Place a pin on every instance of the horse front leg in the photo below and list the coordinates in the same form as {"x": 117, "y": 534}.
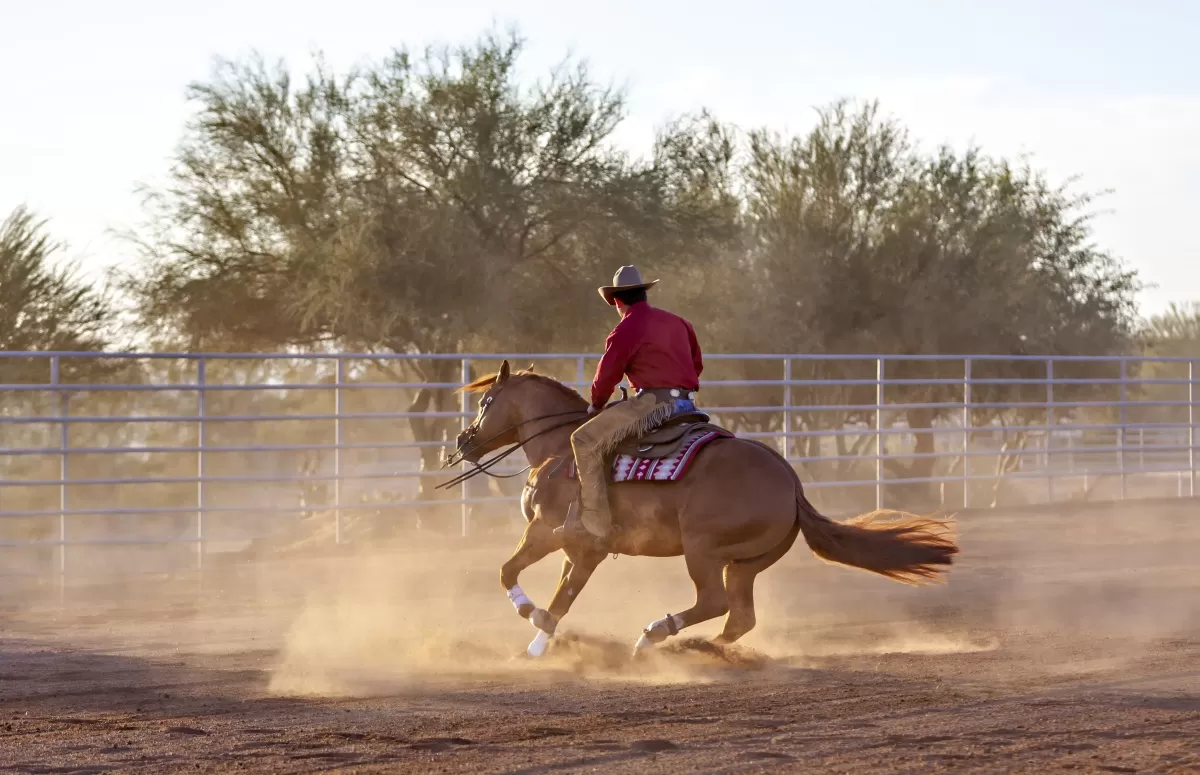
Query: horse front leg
{"x": 575, "y": 575}
{"x": 537, "y": 541}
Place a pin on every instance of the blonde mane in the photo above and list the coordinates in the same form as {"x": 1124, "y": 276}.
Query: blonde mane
{"x": 485, "y": 382}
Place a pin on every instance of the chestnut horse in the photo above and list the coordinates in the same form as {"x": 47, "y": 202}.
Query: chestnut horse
{"x": 735, "y": 513}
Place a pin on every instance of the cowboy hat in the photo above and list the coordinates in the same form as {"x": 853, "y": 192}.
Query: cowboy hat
{"x": 627, "y": 278}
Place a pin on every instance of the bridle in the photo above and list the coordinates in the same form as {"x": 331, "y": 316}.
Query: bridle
{"x": 469, "y": 444}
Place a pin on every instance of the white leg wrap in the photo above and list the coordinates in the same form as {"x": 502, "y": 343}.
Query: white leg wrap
{"x": 518, "y": 598}
{"x": 667, "y": 624}
{"x": 658, "y": 631}
{"x": 538, "y": 645}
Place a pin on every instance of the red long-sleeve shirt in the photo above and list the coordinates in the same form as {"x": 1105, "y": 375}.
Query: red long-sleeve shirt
{"x": 653, "y": 348}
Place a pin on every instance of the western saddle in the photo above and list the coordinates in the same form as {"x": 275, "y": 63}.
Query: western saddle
{"x": 664, "y": 440}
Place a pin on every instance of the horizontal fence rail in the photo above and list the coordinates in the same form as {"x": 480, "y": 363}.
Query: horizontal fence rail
{"x": 210, "y": 451}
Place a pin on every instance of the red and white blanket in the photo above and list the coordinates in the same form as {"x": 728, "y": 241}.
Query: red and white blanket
{"x": 629, "y": 468}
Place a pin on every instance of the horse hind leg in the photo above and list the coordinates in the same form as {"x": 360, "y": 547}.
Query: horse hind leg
{"x": 711, "y": 601}
{"x": 739, "y": 586}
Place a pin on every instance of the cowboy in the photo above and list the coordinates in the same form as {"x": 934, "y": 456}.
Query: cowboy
{"x": 659, "y": 354}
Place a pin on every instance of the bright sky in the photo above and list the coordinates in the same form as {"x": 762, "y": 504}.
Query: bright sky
{"x": 1109, "y": 90}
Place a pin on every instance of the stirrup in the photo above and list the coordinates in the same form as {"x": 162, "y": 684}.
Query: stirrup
{"x": 570, "y": 520}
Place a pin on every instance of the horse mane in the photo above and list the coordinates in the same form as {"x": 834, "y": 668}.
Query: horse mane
{"x": 485, "y": 382}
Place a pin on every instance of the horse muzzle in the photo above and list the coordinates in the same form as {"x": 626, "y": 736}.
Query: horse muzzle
{"x": 465, "y": 449}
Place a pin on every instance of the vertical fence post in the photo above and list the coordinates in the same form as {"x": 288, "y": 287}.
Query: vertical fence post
{"x": 64, "y": 470}
{"x": 1192, "y": 429}
{"x": 464, "y": 406}
{"x": 580, "y": 376}
{"x": 967, "y": 422}
{"x": 1050, "y": 422}
{"x": 338, "y": 439}
{"x": 1121, "y": 439}
{"x": 201, "y": 442}
{"x": 787, "y": 409}
{"x": 879, "y": 446}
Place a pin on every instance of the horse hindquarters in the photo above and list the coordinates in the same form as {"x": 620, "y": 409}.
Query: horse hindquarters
{"x": 741, "y": 503}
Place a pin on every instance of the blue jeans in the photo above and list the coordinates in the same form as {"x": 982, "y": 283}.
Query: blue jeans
{"x": 680, "y": 405}
{"x": 683, "y": 406}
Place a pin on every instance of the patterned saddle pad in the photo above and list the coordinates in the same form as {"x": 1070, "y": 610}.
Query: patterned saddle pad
{"x": 656, "y": 465}
{"x": 671, "y": 467}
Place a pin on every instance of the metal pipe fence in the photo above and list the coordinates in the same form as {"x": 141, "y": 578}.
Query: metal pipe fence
{"x": 205, "y": 451}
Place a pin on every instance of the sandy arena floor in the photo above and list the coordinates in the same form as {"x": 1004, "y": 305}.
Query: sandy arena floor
{"x": 1061, "y": 642}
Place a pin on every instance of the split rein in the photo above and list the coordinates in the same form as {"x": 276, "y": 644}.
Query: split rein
{"x": 486, "y": 466}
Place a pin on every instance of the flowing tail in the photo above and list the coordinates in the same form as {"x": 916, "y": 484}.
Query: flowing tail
{"x": 910, "y": 549}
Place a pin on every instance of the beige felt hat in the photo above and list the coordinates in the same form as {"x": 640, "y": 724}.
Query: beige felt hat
{"x": 627, "y": 278}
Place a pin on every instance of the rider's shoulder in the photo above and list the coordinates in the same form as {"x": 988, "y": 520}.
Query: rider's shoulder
{"x": 631, "y": 323}
{"x": 668, "y": 314}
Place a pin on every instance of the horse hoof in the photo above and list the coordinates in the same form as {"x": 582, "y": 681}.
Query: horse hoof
{"x": 539, "y": 644}
{"x": 643, "y": 643}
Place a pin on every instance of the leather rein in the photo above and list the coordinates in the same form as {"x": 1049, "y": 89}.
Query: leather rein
{"x": 486, "y": 466}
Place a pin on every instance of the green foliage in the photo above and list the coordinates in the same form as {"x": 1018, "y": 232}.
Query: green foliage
{"x": 886, "y": 249}
{"x": 437, "y": 203}
{"x": 44, "y": 302}
{"x": 416, "y": 205}
{"x": 1174, "y": 333}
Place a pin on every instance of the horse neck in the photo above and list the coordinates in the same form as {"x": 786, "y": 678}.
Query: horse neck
{"x": 538, "y": 446}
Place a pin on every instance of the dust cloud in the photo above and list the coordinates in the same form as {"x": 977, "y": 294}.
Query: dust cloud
{"x": 1063, "y": 593}
{"x": 402, "y": 619}
{"x": 1077, "y": 592}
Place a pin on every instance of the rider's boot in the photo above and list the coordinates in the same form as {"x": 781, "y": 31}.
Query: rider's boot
{"x": 586, "y": 530}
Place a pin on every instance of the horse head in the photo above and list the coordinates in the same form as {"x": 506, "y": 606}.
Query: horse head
{"x": 497, "y": 420}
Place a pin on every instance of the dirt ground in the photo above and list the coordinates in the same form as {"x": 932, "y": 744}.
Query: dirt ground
{"x": 1066, "y": 641}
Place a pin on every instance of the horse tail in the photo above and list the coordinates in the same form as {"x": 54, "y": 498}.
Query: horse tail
{"x": 910, "y": 548}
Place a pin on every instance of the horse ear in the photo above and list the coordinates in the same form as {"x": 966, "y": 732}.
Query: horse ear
{"x": 504, "y": 372}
